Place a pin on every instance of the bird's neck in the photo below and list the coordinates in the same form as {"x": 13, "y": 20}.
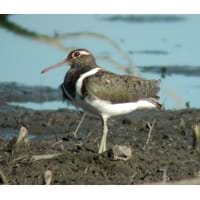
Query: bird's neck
{"x": 82, "y": 68}
{"x": 73, "y": 75}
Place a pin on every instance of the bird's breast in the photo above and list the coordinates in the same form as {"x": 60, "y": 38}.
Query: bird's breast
{"x": 72, "y": 87}
{"x": 69, "y": 83}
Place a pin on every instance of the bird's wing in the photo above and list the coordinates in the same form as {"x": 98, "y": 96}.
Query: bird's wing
{"x": 119, "y": 89}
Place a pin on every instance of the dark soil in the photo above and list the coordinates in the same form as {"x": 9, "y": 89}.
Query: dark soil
{"x": 169, "y": 156}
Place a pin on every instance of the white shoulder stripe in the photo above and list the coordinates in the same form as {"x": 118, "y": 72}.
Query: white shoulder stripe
{"x": 79, "y": 82}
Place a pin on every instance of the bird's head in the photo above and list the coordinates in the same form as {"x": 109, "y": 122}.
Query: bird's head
{"x": 76, "y": 58}
{"x": 80, "y": 57}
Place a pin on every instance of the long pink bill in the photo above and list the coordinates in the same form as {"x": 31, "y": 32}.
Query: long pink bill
{"x": 60, "y": 64}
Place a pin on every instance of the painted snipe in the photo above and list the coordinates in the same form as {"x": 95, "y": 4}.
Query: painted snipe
{"x": 104, "y": 93}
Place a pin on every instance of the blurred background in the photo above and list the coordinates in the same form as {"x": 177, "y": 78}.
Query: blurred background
{"x": 162, "y": 47}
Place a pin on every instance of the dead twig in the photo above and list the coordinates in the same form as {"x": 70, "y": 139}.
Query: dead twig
{"x": 79, "y": 124}
{"x": 165, "y": 177}
{"x": 88, "y": 135}
{"x": 132, "y": 178}
{"x": 86, "y": 170}
{"x": 150, "y": 132}
{"x": 58, "y": 142}
{"x": 196, "y": 136}
{"x": 74, "y": 133}
{"x": 3, "y": 178}
{"x": 22, "y": 134}
{"x": 45, "y": 156}
{"x": 48, "y": 177}
{"x": 20, "y": 158}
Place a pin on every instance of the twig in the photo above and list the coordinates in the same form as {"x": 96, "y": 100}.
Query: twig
{"x": 165, "y": 177}
{"x": 190, "y": 181}
{"x": 86, "y": 170}
{"x": 196, "y": 136}
{"x": 75, "y": 132}
{"x": 3, "y": 178}
{"x": 79, "y": 124}
{"x": 22, "y": 134}
{"x": 45, "y": 157}
{"x": 132, "y": 178}
{"x": 150, "y": 131}
{"x": 88, "y": 135}
{"x": 48, "y": 177}
{"x": 20, "y": 158}
{"x": 58, "y": 142}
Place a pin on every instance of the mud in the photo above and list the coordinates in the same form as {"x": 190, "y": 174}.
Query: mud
{"x": 170, "y": 155}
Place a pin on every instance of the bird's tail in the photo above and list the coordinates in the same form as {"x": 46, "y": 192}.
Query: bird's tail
{"x": 158, "y": 105}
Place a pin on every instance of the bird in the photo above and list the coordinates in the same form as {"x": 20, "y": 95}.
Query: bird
{"x": 103, "y": 93}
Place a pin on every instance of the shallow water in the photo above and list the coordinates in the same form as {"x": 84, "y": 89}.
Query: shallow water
{"x": 52, "y": 105}
{"x": 23, "y": 59}
{"x": 9, "y": 133}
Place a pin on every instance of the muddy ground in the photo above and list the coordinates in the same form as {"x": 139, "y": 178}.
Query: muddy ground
{"x": 170, "y": 155}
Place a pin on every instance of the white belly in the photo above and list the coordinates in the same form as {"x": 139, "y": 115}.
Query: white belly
{"x": 107, "y": 109}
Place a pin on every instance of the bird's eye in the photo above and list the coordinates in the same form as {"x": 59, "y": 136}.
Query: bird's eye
{"x": 76, "y": 54}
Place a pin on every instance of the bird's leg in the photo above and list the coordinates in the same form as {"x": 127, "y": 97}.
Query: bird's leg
{"x": 79, "y": 124}
{"x": 102, "y": 147}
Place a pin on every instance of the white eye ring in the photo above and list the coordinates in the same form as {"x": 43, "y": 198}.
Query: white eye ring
{"x": 76, "y": 54}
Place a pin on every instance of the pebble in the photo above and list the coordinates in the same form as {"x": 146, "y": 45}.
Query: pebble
{"x": 120, "y": 152}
